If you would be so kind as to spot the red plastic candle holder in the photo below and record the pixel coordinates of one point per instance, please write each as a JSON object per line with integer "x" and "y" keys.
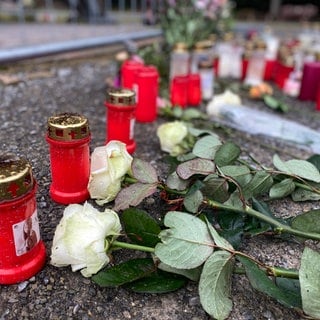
{"x": 129, "y": 70}
{"x": 146, "y": 88}
{"x": 216, "y": 66}
{"x": 269, "y": 70}
{"x": 179, "y": 91}
{"x": 68, "y": 137}
{"x": 310, "y": 80}
{"x": 22, "y": 252}
{"x": 120, "y": 117}
{"x": 281, "y": 73}
{"x": 194, "y": 89}
{"x": 318, "y": 98}
{"x": 245, "y": 63}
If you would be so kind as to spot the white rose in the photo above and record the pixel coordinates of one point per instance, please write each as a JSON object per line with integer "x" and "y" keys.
{"x": 80, "y": 238}
{"x": 171, "y": 135}
{"x": 220, "y": 100}
{"x": 109, "y": 164}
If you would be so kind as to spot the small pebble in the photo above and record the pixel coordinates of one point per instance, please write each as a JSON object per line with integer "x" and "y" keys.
{"x": 76, "y": 309}
{"x": 22, "y": 285}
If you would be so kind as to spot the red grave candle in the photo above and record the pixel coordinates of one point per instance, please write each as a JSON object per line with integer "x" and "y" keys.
{"x": 68, "y": 137}
{"x": 146, "y": 87}
{"x": 216, "y": 66}
{"x": 281, "y": 73}
{"x": 245, "y": 63}
{"x": 310, "y": 80}
{"x": 179, "y": 91}
{"x": 120, "y": 117}
{"x": 194, "y": 89}
{"x": 22, "y": 252}
{"x": 318, "y": 98}
{"x": 128, "y": 73}
{"x": 269, "y": 70}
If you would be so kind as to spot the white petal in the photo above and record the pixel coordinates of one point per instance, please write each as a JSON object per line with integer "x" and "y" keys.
{"x": 79, "y": 238}
{"x": 98, "y": 185}
{"x": 171, "y": 134}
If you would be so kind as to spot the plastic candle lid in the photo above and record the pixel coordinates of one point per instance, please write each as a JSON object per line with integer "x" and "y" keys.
{"x": 15, "y": 177}
{"x": 121, "y": 97}
{"x": 68, "y": 127}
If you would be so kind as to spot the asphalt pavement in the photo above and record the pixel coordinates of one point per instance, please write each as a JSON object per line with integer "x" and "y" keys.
{"x": 27, "y": 40}
{"x": 20, "y": 41}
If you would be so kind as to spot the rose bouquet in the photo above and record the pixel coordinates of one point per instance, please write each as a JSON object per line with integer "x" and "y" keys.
{"x": 186, "y": 21}
{"x": 189, "y": 21}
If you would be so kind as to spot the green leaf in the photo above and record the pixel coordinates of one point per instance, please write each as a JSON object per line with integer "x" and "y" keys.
{"x": 261, "y": 282}
{"x": 282, "y": 189}
{"x": 158, "y": 282}
{"x": 140, "y": 227}
{"x": 230, "y": 220}
{"x": 124, "y": 272}
{"x": 232, "y": 226}
{"x": 271, "y": 102}
{"x": 301, "y": 194}
{"x": 234, "y": 200}
{"x": 283, "y": 107}
{"x": 290, "y": 285}
{"x": 196, "y": 166}
{"x": 215, "y": 188}
{"x": 307, "y": 222}
{"x": 262, "y": 207}
{"x": 215, "y": 285}
{"x": 258, "y": 185}
{"x": 309, "y": 276}
{"x": 186, "y": 244}
{"x": 241, "y": 174}
{"x": 133, "y": 195}
{"x": 185, "y": 157}
{"x": 206, "y": 147}
{"x": 315, "y": 160}
{"x": 192, "y": 274}
{"x": 234, "y": 237}
{"x": 301, "y": 168}
{"x": 192, "y": 201}
{"x": 265, "y": 209}
{"x": 193, "y": 113}
{"x": 199, "y": 132}
{"x": 256, "y": 226}
{"x": 176, "y": 183}
{"x": 177, "y": 112}
{"x": 227, "y": 154}
{"x": 219, "y": 241}
{"x": 143, "y": 171}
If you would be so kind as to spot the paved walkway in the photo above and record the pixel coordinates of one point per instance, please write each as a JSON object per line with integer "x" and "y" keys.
{"x": 27, "y": 39}
{"x": 19, "y": 40}
{"x": 21, "y": 35}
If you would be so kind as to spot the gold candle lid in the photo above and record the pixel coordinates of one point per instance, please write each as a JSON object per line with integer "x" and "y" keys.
{"x": 121, "y": 97}
{"x": 68, "y": 127}
{"x": 16, "y": 177}
{"x": 180, "y": 47}
{"x": 228, "y": 36}
{"x": 205, "y": 64}
{"x": 204, "y": 44}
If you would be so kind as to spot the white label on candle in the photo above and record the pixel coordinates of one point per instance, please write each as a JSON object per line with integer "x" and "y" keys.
{"x": 207, "y": 78}
{"x": 131, "y": 133}
{"x": 135, "y": 88}
{"x": 26, "y": 234}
